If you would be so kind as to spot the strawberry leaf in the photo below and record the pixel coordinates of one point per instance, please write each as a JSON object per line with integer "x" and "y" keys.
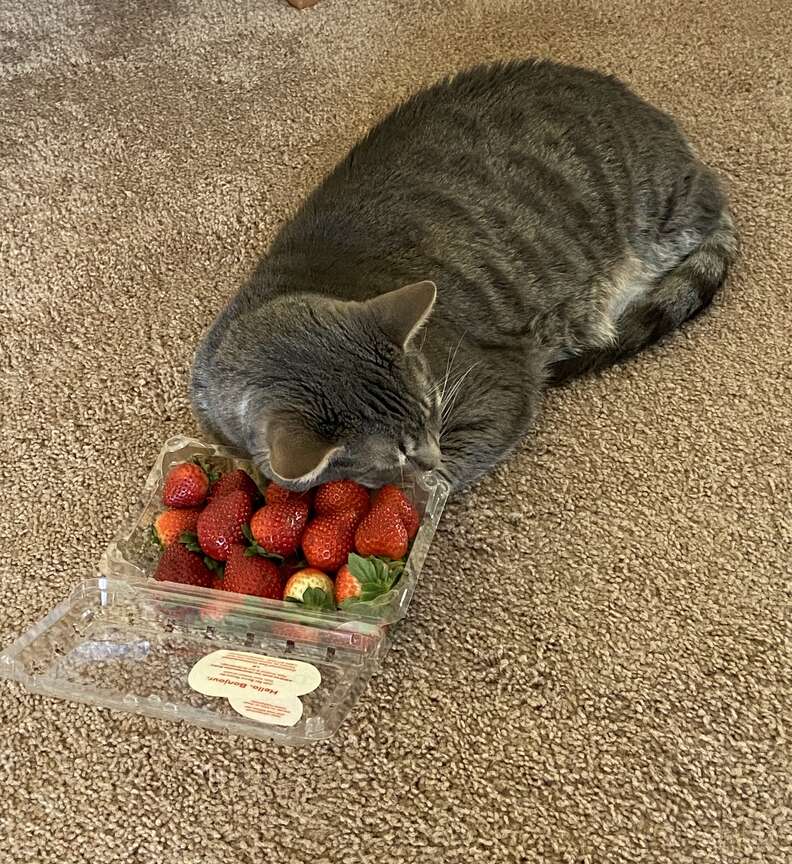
{"x": 155, "y": 537}
{"x": 375, "y": 575}
{"x": 316, "y": 598}
{"x": 214, "y": 566}
{"x": 255, "y": 550}
{"x": 247, "y": 533}
{"x": 204, "y": 465}
{"x": 190, "y": 540}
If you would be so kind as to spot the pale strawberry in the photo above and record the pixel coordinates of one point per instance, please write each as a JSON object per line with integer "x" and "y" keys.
{"x": 311, "y": 587}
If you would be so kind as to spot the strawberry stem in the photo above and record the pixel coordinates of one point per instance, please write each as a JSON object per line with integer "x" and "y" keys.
{"x": 204, "y": 465}
{"x": 190, "y": 540}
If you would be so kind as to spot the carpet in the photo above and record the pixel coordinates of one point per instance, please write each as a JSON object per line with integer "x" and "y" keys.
{"x": 596, "y": 664}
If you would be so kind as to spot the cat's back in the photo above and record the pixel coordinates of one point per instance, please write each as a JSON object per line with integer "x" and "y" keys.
{"x": 495, "y": 110}
{"x": 481, "y": 145}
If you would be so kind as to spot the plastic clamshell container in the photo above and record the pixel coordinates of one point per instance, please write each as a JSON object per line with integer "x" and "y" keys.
{"x": 125, "y": 641}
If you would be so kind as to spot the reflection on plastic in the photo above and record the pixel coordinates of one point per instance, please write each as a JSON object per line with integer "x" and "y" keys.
{"x": 98, "y": 651}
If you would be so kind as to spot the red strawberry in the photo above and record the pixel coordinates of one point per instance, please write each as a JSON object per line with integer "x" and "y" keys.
{"x": 277, "y": 528}
{"x": 365, "y": 578}
{"x": 310, "y": 587}
{"x": 381, "y": 533}
{"x": 347, "y": 586}
{"x": 233, "y": 481}
{"x": 185, "y": 485}
{"x": 178, "y": 564}
{"x": 171, "y": 524}
{"x": 251, "y": 574}
{"x": 221, "y": 523}
{"x": 328, "y": 540}
{"x": 275, "y": 494}
{"x": 393, "y": 498}
{"x": 340, "y": 496}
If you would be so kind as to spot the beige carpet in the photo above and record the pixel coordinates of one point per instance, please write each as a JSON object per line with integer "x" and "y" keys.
{"x": 623, "y": 698}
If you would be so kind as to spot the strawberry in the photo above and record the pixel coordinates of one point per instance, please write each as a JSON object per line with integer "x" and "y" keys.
{"x": 393, "y": 498}
{"x": 251, "y": 574}
{"x": 310, "y": 587}
{"x": 221, "y": 522}
{"x": 381, "y": 533}
{"x": 340, "y": 496}
{"x": 178, "y": 564}
{"x": 169, "y": 525}
{"x": 275, "y": 494}
{"x": 328, "y": 540}
{"x": 347, "y": 586}
{"x": 232, "y": 481}
{"x": 277, "y": 528}
{"x": 185, "y": 485}
{"x": 365, "y": 578}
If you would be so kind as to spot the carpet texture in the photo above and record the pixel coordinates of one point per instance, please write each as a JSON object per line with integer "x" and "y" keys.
{"x": 596, "y": 665}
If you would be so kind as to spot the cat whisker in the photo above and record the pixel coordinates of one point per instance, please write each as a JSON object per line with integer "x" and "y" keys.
{"x": 453, "y": 393}
{"x": 450, "y": 365}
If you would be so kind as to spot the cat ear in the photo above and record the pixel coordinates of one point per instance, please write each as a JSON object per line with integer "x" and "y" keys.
{"x": 295, "y": 453}
{"x": 401, "y": 313}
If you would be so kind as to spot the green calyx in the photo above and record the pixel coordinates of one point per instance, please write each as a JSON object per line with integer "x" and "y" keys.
{"x": 375, "y": 575}
{"x": 190, "y": 540}
{"x": 204, "y": 465}
{"x": 316, "y": 598}
{"x": 255, "y": 549}
{"x": 215, "y": 566}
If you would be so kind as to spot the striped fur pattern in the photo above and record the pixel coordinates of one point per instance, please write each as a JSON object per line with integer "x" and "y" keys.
{"x": 566, "y": 224}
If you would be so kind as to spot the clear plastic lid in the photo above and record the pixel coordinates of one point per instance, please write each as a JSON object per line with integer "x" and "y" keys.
{"x": 245, "y": 665}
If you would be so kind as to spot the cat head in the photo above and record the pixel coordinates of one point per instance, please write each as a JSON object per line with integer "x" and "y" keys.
{"x": 315, "y": 388}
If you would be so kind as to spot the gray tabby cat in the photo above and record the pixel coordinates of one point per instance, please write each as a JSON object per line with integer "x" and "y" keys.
{"x": 505, "y": 229}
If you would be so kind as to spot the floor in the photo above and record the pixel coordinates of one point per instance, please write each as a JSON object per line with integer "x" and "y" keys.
{"x": 596, "y": 665}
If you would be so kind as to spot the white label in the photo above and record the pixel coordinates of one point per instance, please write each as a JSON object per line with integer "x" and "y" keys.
{"x": 230, "y": 673}
{"x": 257, "y": 686}
{"x": 281, "y": 711}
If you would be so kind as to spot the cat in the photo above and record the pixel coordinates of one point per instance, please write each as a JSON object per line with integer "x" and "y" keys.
{"x": 506, "y": 229}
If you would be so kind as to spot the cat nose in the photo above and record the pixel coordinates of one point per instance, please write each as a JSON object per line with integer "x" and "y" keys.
{"x": 426, "y": 457}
